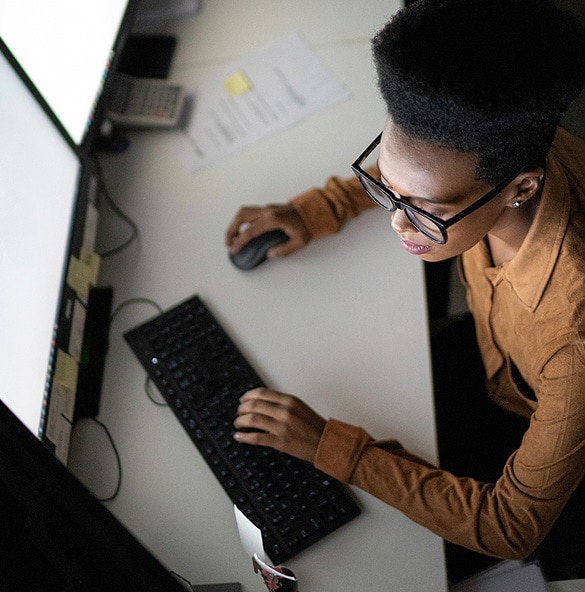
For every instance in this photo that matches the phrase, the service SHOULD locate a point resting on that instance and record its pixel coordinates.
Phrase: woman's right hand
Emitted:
(252, 221)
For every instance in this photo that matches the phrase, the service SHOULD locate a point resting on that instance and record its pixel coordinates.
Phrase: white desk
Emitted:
(341, 323)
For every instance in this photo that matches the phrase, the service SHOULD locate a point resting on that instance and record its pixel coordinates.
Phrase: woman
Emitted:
(470, 163)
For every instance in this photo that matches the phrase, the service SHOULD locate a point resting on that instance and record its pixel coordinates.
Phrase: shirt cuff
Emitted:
(316, 213)
(340, 449)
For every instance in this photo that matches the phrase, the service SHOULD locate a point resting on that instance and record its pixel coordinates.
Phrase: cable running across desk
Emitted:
(202, 375)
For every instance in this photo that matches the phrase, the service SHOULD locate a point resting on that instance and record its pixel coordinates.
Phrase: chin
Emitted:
(436, 257)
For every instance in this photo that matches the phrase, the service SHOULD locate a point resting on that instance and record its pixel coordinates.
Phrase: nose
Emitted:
(401, 224)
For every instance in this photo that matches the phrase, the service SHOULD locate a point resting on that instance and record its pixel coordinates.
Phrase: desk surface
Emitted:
(341, 323)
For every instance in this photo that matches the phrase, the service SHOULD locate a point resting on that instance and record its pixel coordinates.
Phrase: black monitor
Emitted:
(68, 48)
(55, 535)
(49, 361)
(48, 226)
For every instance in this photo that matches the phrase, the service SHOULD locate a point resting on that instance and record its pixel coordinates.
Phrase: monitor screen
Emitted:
(38, 188)
(66, 49)
(55, 535)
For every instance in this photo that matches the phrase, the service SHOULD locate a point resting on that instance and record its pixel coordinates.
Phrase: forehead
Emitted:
(423, 169)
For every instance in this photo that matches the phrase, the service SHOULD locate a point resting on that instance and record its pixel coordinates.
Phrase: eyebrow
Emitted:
(430, 200)
(453, 201)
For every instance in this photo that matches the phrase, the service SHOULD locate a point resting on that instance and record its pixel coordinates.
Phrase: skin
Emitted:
(432, 177)
(252, 221)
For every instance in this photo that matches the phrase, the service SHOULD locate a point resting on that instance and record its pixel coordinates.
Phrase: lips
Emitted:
(414, 248)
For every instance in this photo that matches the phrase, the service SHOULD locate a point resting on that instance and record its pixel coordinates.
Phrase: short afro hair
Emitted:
(491, 77)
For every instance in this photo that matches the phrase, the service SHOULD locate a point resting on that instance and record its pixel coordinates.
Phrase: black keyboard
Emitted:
(201, 374)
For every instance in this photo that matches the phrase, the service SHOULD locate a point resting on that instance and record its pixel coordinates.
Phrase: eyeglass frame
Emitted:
(398, 204)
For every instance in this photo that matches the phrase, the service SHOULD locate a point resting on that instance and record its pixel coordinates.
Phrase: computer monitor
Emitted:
(55, 535)
(47, 231)
(67, 49)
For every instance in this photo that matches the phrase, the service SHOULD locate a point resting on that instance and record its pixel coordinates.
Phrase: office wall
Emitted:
(574, 119)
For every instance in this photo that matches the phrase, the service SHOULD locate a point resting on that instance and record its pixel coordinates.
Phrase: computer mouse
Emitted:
(254, 251)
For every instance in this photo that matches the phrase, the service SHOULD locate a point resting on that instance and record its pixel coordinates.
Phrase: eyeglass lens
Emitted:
(423, 224)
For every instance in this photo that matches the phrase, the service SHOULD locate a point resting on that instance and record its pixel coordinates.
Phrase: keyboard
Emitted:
(202, 374)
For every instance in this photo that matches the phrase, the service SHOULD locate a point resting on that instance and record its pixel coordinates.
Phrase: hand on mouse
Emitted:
(287, 424)
(252, 221)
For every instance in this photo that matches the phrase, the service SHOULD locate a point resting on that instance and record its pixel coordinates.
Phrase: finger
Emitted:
(259, 415)
(232, 230)
(257, 439)
(257, 408)
(255, 229)
(246, 214)
(265, 410)
(284, 249)
(267, 395)
(258, 425)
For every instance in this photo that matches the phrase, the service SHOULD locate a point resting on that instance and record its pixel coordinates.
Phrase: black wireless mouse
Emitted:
(254, 251)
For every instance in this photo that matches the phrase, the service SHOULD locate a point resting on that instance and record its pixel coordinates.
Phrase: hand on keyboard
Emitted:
(286, 423)
(205, 379)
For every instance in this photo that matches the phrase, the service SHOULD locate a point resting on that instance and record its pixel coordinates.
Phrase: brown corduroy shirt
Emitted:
(530, 321)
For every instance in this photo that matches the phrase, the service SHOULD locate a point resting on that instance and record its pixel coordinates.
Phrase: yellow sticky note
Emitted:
(237, 84)
(83, 272)
(92, 263)
(66, 370)
(76, 276)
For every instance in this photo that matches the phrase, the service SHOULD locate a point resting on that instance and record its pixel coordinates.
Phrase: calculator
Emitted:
(145, 102)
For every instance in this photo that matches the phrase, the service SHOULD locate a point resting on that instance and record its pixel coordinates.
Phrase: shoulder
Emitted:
(569, 151)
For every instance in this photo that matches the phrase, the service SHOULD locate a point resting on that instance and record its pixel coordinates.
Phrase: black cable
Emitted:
(103, 425)
(131, 301)
(114, 314)
(118, 461)
(150, 394)
(121, 214)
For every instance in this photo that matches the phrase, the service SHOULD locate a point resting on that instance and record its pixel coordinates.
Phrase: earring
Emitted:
(516, 204)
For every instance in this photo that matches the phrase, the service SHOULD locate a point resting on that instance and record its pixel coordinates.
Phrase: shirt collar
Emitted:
(529, 271)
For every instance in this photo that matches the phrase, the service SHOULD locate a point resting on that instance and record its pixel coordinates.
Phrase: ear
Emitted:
(525, 186)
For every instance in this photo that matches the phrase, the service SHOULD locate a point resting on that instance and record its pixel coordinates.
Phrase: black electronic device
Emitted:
(148, 56)
(253, 253)
(93, 353)
(69, 50)
(48, 225)
(55, 535)
(202, 374)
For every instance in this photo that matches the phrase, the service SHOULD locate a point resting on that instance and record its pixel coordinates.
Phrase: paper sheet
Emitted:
(250, 535)
(251, 538)
(257, 95)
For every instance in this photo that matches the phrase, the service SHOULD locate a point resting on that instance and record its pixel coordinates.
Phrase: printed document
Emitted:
(257, 95)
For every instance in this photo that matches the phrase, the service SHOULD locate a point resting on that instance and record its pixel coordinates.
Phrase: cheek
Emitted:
(460, 238)
(468, 232)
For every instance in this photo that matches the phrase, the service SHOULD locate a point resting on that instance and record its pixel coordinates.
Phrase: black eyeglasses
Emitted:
(431, 226)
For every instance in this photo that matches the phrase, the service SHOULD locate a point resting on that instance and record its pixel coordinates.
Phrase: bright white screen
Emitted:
(38, 180)
(64, 47)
